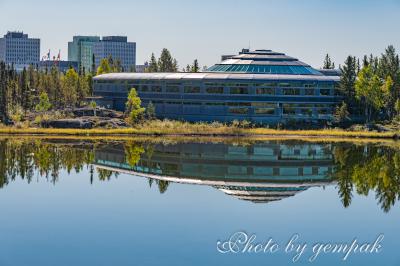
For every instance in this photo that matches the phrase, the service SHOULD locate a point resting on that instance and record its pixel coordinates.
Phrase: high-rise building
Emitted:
(118, 48)
(81, 51)
(17, 49)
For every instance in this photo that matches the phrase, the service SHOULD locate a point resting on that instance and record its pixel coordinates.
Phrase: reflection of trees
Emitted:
(367, 169)
(23, 158)
(133, 151)
(105, 175)
(162, 185)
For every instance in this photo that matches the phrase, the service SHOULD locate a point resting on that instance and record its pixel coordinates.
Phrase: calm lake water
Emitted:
(93, 202)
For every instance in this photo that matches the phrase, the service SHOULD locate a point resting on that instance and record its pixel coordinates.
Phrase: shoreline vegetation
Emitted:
(177, 128)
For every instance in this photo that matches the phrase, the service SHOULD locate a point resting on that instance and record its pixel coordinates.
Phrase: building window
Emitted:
(172, 89)
(215, 103)
(191, 89)
(291, 91)
(263, 104)
(268, 91)
(238, 90)
(172, 102)
(156, 89)
(239, 104)
(218, 90)
(315, 171)
(309, 92)
(264, 111)
(144, 88)
(276, 171)
(325, 92)
(289, 109)
(309, 85)
(269, 84)
(238, 110)
(192, 103)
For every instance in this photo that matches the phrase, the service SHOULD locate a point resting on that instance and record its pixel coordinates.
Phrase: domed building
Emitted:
(261, 86)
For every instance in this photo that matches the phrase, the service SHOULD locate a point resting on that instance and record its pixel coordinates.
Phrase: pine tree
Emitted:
(44, 103)
(150, 111)
(365, 61)
(165, 62)
(153, 66)
(347, 81)
(328, 63)
(389, 66)
(195, 67)
(3, 93)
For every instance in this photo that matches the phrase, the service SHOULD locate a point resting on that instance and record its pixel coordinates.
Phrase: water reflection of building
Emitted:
(261, 172)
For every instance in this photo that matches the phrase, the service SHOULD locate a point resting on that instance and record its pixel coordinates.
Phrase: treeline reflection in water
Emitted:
(258, 172)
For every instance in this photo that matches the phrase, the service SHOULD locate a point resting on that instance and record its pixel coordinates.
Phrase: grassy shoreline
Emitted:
(174, 128)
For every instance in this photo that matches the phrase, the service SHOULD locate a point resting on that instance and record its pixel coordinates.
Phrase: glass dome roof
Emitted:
(263, 62)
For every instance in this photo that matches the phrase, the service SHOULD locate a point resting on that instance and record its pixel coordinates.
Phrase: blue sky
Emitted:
(306, 29)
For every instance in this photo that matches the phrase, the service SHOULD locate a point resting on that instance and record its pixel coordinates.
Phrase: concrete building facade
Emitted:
(18, 49)
(119, 49)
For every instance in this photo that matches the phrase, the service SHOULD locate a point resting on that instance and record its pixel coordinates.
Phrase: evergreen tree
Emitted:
(365, 61)
(328, 63)
(195, 67)
(25, 96)
(82, 89)
(165, 62)
(70, 84)
(150, 111)
(153, 66)
(3, 93)
(347, 81)
(389, 66)
(174, 65)
(44, 103)
(54, 88)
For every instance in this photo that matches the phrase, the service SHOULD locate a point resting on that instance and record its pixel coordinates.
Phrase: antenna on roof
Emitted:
(249, 45)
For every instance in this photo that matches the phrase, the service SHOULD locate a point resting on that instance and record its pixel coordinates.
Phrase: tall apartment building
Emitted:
(81, 51)
(17, 49)
(118, 48)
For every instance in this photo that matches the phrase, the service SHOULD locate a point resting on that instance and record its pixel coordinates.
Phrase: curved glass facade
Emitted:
(256, 69)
